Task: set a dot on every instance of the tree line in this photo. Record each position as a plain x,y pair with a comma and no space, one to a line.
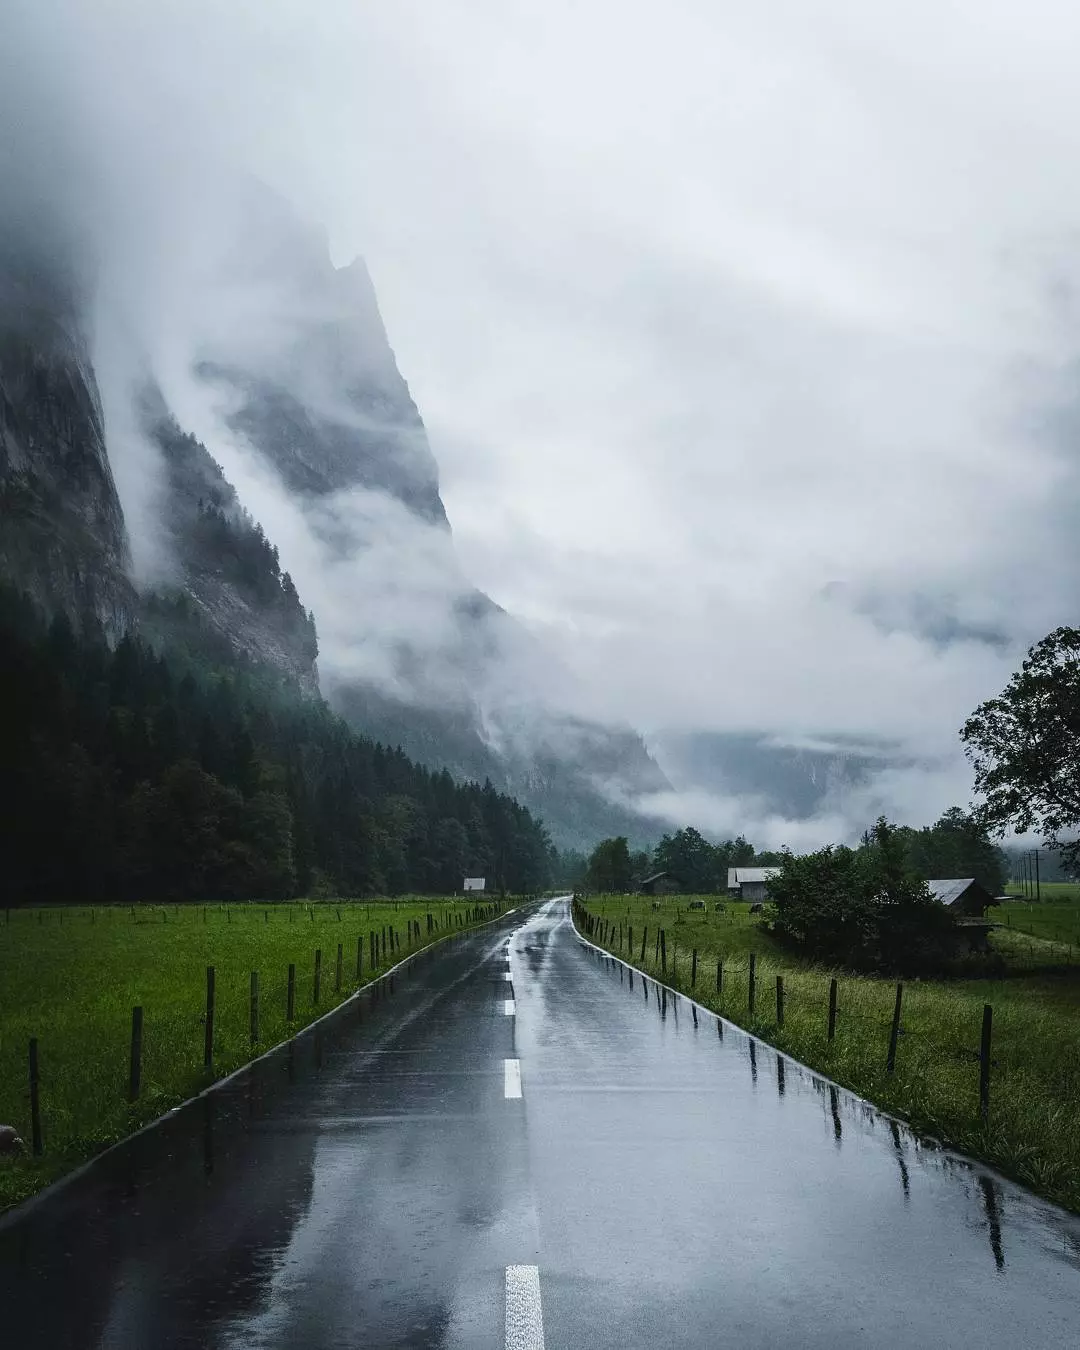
140,772
957,845
691,864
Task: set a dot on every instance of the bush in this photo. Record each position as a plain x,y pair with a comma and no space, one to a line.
861,908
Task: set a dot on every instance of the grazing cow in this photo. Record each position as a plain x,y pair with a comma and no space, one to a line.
10,1143
756,907
696,904
656,904
720,907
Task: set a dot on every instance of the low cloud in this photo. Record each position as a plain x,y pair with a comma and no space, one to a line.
752,382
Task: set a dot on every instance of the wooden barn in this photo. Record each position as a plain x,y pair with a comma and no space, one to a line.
750,883
963,895
660,883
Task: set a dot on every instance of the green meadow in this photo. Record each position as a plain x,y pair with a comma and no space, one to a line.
1031,1129
71,976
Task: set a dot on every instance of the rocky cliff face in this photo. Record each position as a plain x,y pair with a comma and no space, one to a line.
315,395
63,538
325,403
223,560
325,406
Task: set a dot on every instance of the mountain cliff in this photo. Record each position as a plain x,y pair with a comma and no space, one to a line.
223,560
306,392
421,658
63,539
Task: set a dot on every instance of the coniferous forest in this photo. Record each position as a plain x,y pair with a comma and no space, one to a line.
169,768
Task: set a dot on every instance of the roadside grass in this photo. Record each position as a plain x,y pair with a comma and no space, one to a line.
1031,1132
71,976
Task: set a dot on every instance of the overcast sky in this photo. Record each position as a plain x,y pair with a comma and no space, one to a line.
746,333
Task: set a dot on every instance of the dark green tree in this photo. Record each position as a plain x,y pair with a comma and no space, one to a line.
1024,746
609,866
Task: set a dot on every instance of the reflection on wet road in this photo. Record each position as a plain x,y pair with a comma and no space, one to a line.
570,1157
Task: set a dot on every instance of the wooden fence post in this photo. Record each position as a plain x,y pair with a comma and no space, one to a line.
290,1002
644,937
337,972
135,1073
719,977
359,958
35,1101
693,969
984,1062
318,974
751,986
663,953
254,1010
780,1000
832,1008
208,1045
890,1063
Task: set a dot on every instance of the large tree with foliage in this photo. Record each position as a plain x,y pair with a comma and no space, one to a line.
862,907
1024,746
609,867
957,845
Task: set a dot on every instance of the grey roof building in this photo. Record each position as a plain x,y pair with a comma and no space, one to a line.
750,883
963,895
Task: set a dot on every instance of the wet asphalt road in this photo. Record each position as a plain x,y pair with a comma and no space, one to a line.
660,1180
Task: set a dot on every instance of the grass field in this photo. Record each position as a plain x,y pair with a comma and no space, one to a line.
1032,1130
1056,916
70,977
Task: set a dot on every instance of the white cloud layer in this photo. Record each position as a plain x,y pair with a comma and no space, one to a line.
746,334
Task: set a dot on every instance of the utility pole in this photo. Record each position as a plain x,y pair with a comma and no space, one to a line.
1038,887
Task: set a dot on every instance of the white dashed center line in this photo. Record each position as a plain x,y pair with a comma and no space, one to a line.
508,1007
511,1082
524,1318
507,975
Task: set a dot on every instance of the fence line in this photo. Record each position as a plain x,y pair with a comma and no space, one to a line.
453,919
728,969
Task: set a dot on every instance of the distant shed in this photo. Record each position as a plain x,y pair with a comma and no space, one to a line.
962,895
750,883
660,883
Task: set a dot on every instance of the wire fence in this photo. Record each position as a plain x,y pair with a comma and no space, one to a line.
239,1018
765,995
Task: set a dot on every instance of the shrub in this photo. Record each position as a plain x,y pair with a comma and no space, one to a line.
861,908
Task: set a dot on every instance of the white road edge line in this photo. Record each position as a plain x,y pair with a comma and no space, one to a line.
508,1007
508,975
524,1317
511,1078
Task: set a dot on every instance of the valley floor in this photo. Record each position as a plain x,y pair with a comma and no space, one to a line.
517,1142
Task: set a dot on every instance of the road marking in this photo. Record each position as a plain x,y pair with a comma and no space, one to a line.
524,1318
507,975
508,1007
511,1078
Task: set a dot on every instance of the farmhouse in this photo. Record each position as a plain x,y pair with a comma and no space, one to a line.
750,883
660,883
962,895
